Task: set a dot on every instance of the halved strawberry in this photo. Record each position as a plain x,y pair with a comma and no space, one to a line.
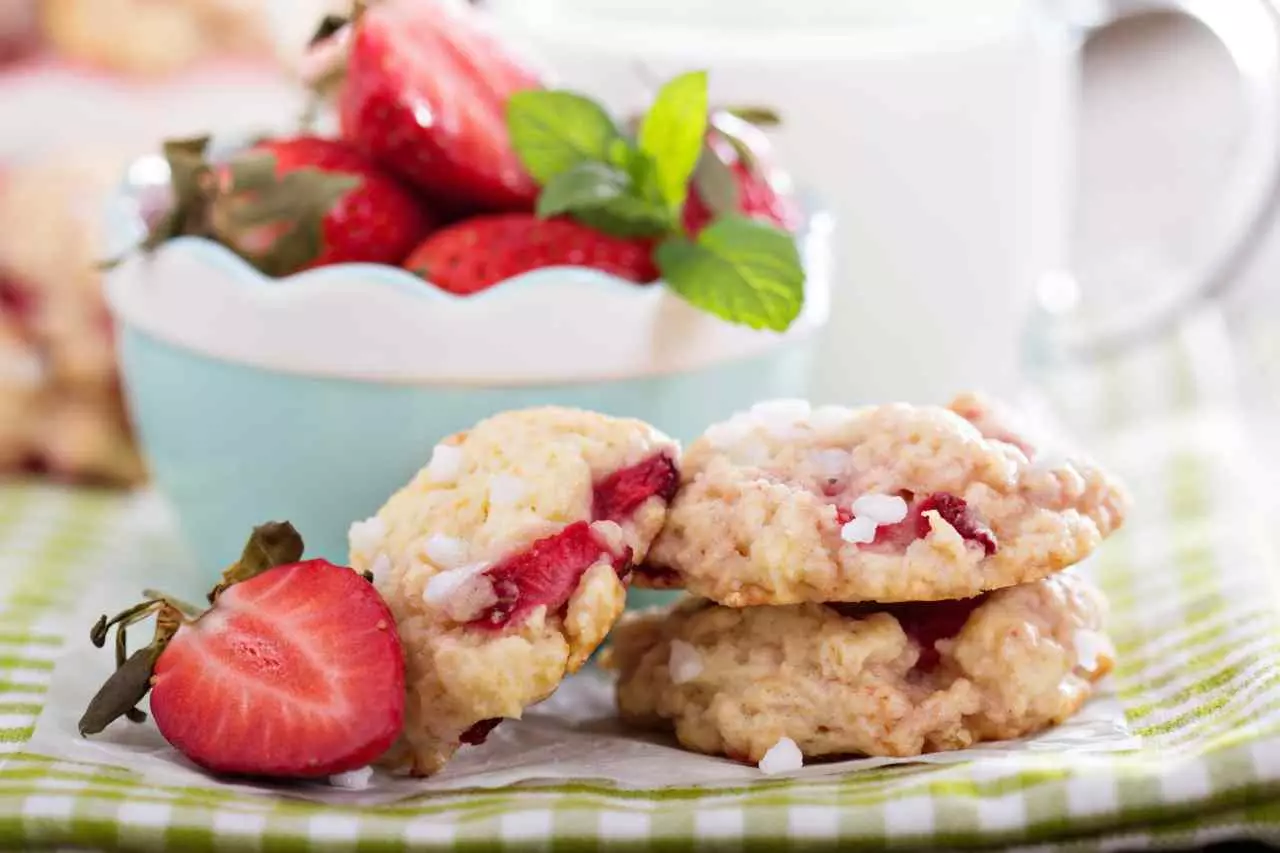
296,671
425,93
475,254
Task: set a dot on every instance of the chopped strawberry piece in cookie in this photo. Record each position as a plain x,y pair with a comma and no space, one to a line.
619,495
480,732
546,574
926,622
956,512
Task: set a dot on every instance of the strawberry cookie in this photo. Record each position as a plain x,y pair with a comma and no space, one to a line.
506,561
786,503
771,685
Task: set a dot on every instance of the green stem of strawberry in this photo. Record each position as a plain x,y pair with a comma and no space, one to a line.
272,544
187,609
130,682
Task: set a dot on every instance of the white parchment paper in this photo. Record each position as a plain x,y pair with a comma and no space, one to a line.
572,736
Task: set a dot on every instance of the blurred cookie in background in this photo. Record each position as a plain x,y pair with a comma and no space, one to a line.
60,402
153,38
19,28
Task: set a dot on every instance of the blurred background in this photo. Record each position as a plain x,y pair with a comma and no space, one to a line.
85,85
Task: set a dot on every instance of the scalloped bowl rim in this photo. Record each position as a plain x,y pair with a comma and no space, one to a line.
401,280
227,292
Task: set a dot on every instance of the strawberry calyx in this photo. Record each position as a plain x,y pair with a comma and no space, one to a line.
273,221
270,545
714,177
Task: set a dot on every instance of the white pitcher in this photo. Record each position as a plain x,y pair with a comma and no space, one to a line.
941,135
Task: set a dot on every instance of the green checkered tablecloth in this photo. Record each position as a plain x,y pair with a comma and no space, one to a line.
1196,621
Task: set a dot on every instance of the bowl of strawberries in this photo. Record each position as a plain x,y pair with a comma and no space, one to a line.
301,317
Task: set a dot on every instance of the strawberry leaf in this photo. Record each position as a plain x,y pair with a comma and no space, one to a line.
602,196
672,133
740,270
275,543
552,131
716,183
759,116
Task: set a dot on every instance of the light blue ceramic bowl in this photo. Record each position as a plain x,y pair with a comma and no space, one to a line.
314,398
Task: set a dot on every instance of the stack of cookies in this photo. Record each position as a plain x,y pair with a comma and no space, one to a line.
889,581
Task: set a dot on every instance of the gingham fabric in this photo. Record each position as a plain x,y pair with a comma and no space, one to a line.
1196,621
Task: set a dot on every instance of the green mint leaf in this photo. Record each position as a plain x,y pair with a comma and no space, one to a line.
672,133
586,184
628,218
602,196
740,270
552,131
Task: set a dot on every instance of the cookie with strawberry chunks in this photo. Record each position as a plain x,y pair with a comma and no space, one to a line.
884,680
506,562
786,503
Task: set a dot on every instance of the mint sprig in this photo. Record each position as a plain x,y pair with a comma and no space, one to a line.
738,269
554,131
599,195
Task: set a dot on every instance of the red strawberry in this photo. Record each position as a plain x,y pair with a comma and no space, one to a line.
953,509
761,191
619,495
425,93
380,221
16,302
476,254
926,622
546,574
288,205
296,671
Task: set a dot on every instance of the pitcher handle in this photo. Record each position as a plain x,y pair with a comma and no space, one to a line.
1206,262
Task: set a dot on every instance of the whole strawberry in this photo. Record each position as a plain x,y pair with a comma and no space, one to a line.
379,221
295,671
424,93
477,253
736,175
287,205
